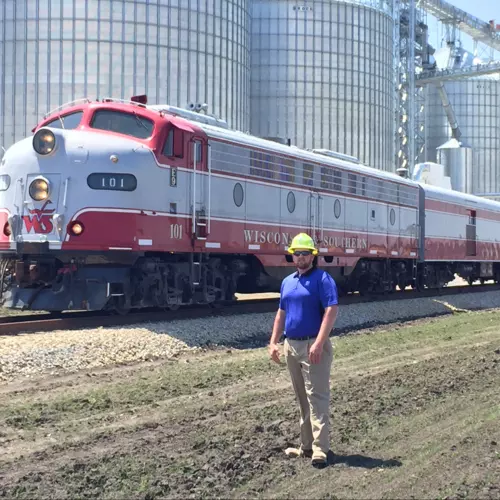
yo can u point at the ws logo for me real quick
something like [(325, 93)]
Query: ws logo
[(39, 220)]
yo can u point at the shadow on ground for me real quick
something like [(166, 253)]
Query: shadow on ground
[(362, 461)]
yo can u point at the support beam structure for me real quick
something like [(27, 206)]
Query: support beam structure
[(467, 23), (412, 53), (433, 76), (413, 70)]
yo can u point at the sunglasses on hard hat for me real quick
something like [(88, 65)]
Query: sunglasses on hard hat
[(302, 252)]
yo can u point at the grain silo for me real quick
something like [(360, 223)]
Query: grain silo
[(322, 76), (55, 51), (476, 106)]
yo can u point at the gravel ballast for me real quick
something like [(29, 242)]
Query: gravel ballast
[(69, 351)]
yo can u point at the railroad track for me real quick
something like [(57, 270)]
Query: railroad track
[(34, 323)]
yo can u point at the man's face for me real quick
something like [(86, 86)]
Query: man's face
[(303, 258)]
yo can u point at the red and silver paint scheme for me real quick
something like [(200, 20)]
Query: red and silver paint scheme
[(117, 204), (462, 233)]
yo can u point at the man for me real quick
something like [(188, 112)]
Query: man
[(306, 315)]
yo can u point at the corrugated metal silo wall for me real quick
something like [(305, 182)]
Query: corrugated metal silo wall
[(476, 103), (54, 51), (322, 75)]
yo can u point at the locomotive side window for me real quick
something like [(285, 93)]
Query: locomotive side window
[(337, 209), (238, 194), (391, 192), (199, 150), (123, 123), (380, 193), (287, 169), (472, 217), (269, 166), (372, 187), (408, 196), (308, 174), (392, 217), (337, 180), (290, 202), (326, 178), (168, 149), (263, 165), (352, 179), (174, 146), (258, 164), (68, 122)]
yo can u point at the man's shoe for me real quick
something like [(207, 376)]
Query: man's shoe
[(320, 461), (298, 452)]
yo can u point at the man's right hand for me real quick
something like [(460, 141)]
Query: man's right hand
[(274, 353)]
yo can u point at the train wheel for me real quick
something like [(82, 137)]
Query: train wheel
[(217, 304), (171, 307), (6, 276), (364, 287), (120, 306), (418, 284), (55, 314)]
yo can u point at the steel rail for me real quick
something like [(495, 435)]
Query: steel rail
[(39, 323)]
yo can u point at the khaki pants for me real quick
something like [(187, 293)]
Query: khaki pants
[(311, 383)]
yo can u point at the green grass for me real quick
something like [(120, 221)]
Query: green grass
[(178, 378), (192, 417), (391, 339), (174, 379)]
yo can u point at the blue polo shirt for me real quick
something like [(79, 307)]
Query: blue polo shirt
[(304, 299)]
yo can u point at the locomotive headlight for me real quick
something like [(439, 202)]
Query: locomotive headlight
[(76, 228), (39, 189), (44, 142)]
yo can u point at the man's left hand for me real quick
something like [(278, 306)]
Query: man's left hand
[(315, 353)]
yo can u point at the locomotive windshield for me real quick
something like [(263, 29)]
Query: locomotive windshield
[(122, 123), (68, 122)]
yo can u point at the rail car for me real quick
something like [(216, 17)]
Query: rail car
[(115, 204)]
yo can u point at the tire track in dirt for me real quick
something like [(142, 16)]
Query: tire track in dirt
[(104, 422), (209, 447), (440, 450)]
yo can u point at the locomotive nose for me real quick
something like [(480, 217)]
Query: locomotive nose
[(38, 188), (40, 220)]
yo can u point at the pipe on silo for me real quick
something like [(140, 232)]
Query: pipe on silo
[(448, 109)]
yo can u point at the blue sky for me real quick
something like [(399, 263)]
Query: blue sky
[(482, 9)]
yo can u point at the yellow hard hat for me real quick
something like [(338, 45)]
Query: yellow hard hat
[(303, 240)]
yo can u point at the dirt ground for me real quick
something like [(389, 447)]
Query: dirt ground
[(415, 414)]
